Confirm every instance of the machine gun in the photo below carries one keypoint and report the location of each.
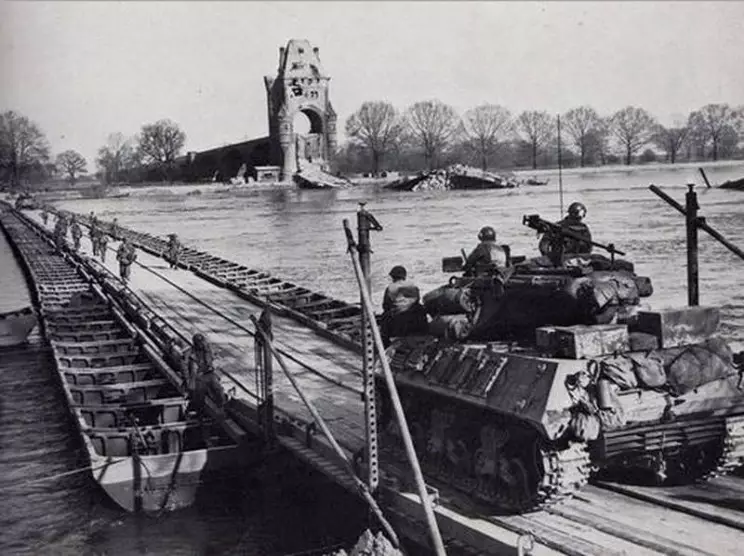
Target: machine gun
(543, 226)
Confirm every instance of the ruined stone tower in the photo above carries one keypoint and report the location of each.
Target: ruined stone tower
(300, 86)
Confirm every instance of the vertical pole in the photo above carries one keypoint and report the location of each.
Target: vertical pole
(691, 221)
(560, 166)
(268, 379)
(364, 222)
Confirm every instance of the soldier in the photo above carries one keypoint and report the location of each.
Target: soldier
(115, 229)
(573, 223)
(60, 233)
(403, 314)
(76, 233)
(173, 250)
(202, 381)
(126, 255)
(44, 216)
(102, 241)
(487, 256)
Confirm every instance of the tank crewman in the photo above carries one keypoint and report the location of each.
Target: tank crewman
(573, 222)
(487, 255)
(126, 255)
(76, 233)
(102, 240)
(403, 314)
(173, 250)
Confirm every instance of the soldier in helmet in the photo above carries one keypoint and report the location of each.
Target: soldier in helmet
(403, 314)
(573, 223)
(487, 256)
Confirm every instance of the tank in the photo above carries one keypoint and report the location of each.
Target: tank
(537, 378)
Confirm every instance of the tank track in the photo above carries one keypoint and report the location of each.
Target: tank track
(732, 456)
(499, 479)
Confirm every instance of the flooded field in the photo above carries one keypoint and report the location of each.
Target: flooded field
(298, 235)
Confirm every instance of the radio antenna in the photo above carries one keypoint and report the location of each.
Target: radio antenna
(560, 165)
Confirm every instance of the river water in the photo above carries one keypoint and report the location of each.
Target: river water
(297, 235)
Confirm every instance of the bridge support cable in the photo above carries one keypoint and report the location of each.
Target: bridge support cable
(362, 487)
(434, 533)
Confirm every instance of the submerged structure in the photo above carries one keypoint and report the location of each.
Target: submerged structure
(540, 374)
(456, 176)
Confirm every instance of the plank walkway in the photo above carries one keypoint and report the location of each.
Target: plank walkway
(703, 519)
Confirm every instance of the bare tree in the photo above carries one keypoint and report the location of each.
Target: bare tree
(671, 139)
(632, 127)
(583, 125)
(713, 122)
(484, 128)
(23, 146)
(377, 126)
(71, 163)
(537, 129)
(161, 143)
(432, 125)
(117, 155)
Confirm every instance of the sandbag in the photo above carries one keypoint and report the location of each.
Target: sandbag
(585, 426)
(688, 367)
(619, 370)
(450, 327)
(449, 300)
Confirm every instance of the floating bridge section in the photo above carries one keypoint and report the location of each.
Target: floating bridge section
(602, 519)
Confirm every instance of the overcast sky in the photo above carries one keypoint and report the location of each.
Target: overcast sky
(84, 70)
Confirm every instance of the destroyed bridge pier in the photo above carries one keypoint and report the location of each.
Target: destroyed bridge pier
(296, 364)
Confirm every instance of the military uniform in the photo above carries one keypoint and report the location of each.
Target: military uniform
(486, 257)
(173, 251)
(126, 255)
(574, 225)
(403, 314)
(77, 233)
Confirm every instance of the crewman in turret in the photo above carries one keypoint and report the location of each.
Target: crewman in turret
(488, 256)
(126, 255)
(173, 250)
(403, 314)
(76, 233)
(573, 223)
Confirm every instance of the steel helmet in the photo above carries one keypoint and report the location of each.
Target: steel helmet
(577, 209)
(398, 272)
(487, 233)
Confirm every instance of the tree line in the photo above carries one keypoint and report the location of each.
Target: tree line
(431, 134)
(25, 154)
(428, 134)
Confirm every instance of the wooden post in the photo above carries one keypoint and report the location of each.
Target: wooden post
(691, 221)
(264, 375)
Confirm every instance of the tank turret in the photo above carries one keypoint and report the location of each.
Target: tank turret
(539, 374)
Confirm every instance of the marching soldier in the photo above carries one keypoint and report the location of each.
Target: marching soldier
(126, 255)
(76, 233)
(115, 229)
(173, 250)
(102, 240)
(44, 216)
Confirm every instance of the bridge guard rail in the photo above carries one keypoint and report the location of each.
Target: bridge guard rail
(263, 337)
(431, 521)
(693, 222)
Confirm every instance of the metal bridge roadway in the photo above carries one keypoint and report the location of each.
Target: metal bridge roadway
(600, 520)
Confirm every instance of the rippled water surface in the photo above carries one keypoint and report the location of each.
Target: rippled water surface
(298, 235)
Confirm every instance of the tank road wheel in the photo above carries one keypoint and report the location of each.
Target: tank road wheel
(510, 467)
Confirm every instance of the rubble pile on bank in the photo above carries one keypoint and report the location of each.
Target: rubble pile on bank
(370, 544)
(311, 176)
(457, 176)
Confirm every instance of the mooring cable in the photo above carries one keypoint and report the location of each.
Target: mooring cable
(60, 475)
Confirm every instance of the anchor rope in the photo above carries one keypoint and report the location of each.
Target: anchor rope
(26, 482)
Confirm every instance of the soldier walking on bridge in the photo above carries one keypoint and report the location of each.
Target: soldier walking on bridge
(44, 216)
(76, 233)
(173, 250)
(102, 241)
(126, 255)
(202, 381)
(115, 229)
